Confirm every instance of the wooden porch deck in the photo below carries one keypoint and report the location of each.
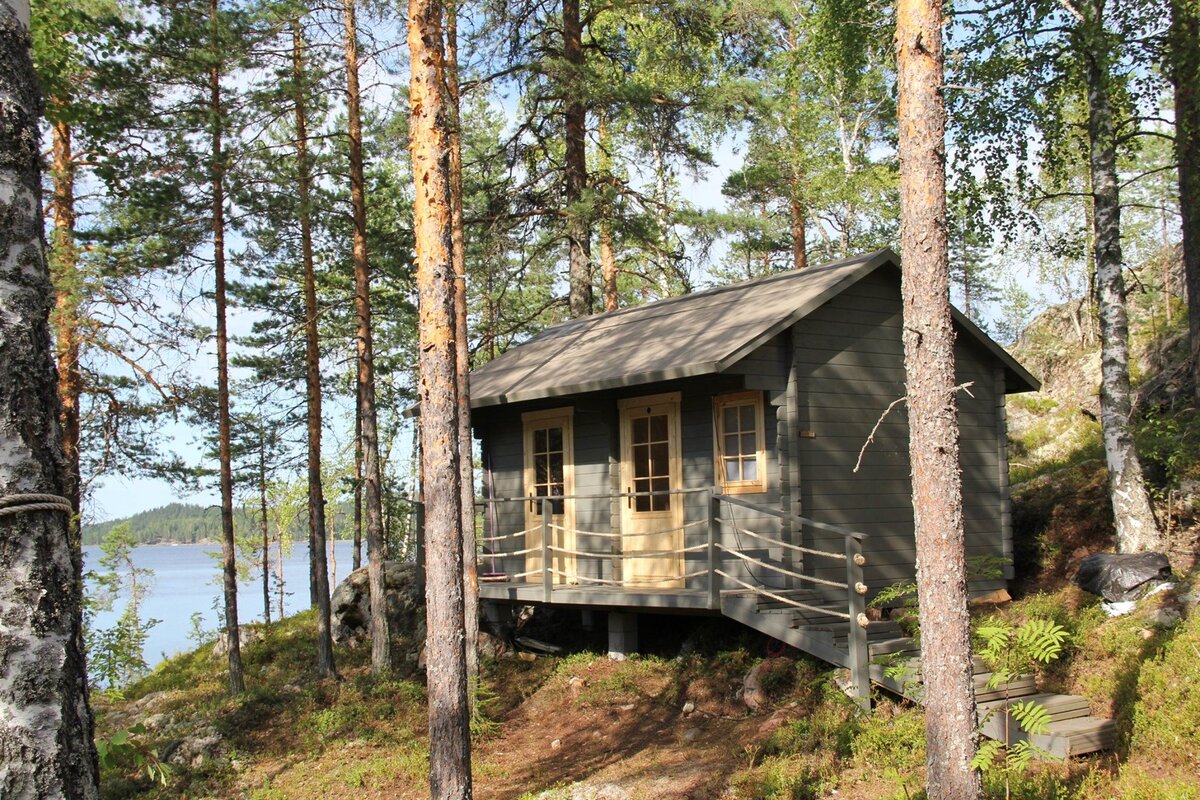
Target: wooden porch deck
(827, 621)
(617, 597)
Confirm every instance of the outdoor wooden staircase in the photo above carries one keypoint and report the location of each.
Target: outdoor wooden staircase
(895, 665)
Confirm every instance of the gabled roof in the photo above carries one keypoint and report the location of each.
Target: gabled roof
(696, 334)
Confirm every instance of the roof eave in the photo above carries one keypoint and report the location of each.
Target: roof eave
(617, 382)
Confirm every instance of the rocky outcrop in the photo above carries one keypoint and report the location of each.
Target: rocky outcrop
(350, 606)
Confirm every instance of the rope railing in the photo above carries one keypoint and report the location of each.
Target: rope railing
(635, 554)
(483, 501)
(620, 535)
(781, 570)
(509, 535)
(627, 581)
(775, 541)
(781, 599)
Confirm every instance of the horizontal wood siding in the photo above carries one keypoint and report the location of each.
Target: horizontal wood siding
(850, 359)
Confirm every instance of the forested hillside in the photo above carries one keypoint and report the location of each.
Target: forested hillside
(176, 523)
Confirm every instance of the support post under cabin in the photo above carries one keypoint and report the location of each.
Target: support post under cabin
(622, 635)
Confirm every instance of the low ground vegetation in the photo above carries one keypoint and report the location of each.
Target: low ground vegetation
(674, 723)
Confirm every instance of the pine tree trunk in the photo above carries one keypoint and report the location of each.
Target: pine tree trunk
(312, 361)
(799, 241)
(608, 258)
(228, 553)
(358, 485)
(46, 746)
(950, 717)
(1137, 530)
(265, 529)
(578, 233)
(64, 319)
(1184, 69)
(462, 362)
(279, 573)
(431, 122)
(381, 640)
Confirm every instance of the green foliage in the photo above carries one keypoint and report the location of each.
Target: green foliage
(128, 750)
(1009, 651)
(1169, 444)
(116, 655)
(1166, 717)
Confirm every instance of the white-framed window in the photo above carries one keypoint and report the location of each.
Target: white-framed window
(740, 448)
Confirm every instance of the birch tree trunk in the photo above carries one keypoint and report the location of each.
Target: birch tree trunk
(312, 365)
(1137, 530)
(228, 547)
(381, 640)
(950, 717)
(578, 229)
(433, 224)
(1184, 69)
(462, 363)
(46, 744)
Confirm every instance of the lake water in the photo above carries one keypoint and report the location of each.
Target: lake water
(187, 579)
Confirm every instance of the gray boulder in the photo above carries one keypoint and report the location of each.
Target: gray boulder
(350, 605)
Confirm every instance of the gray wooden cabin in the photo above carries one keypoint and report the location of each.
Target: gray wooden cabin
(698, 454)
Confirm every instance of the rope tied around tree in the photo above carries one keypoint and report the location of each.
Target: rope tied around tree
(19, 503)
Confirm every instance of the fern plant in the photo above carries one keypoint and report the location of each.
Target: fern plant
(1009, 652)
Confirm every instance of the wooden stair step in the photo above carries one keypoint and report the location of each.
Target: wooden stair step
(1059, 706)
(1075, 737)
(1020, 686)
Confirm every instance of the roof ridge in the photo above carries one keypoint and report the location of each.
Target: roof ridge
(596, 319)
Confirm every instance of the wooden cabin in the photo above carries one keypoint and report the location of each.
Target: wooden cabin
(701, 454)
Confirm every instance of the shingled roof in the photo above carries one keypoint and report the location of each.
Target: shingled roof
(684, 336)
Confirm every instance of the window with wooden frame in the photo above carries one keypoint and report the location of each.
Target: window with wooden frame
(548, 458)
(740, 445)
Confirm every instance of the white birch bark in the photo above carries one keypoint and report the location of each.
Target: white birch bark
(46, 747)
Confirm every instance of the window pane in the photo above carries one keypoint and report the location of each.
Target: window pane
(729, 419)
(750, 469)
(641, 429)
(747, 418)
(749, 445)
(731, 470)
(555, 437)
(539, 441)
(641, 461)
(658, 428)
(541, 472)
(641, 503)
(661, 502)
(557, 506)
(556, 467)
(658, 459)
(731, 444)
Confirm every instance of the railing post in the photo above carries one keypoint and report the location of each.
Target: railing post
(547, 575)
(714, 583)
(419, 545)
(856, 590)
